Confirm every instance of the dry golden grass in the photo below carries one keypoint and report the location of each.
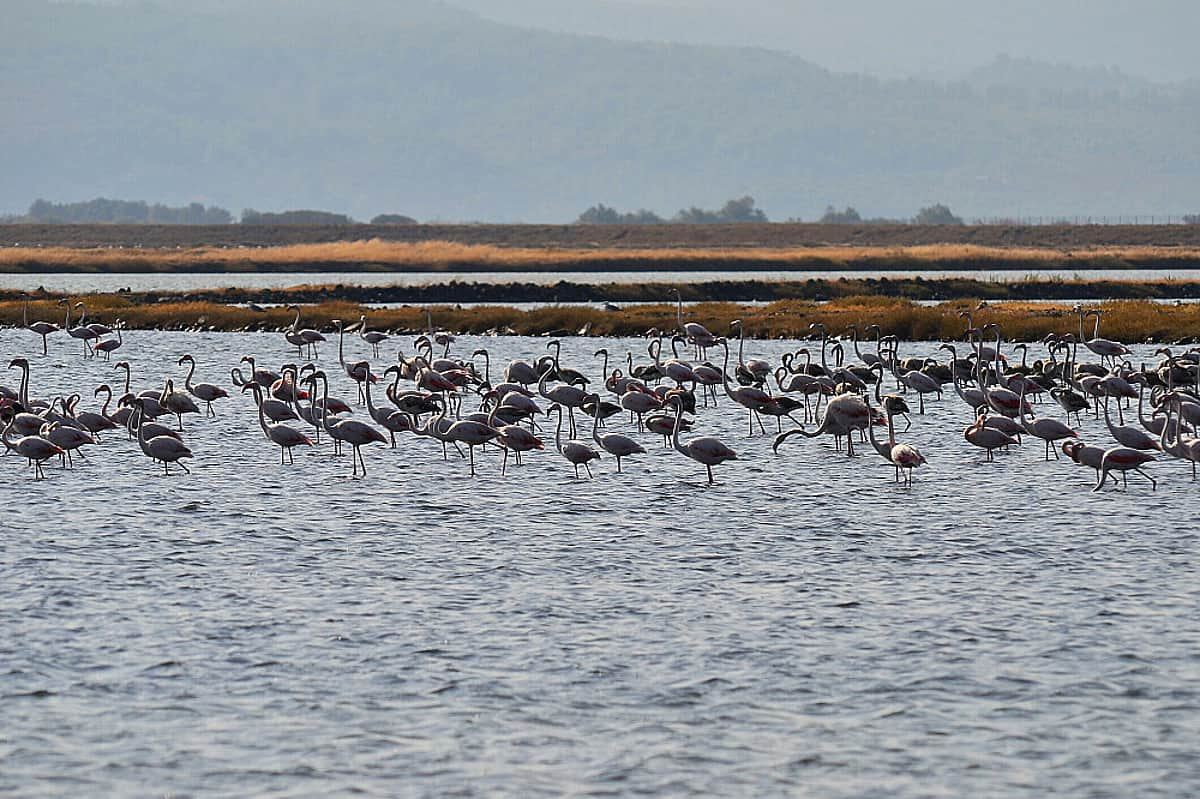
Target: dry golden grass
(444, 255)
(1130, 320)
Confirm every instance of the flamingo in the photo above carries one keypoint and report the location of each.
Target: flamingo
(372, 337)
(707, 450)
(80, 332)
(615, 444)
(284, 436)
(1103, 347)
(308, 337)
(473, 434)
(394, 421)
(352, 431)
(108, 346)
(1124, 460)
(987, 438)
(1128, 435)
(696, 334)
(66, 438)
(177, 402)
(577, 453)
(43, 329)
(264, 377)
(357, 371)
(749, 397)
(844, 414)
(904, 457)
(94, 423)
(205, 392)
(95, 327)
(167, 449)
(35, 448)
(1045, 428)
(754, 370)
(514, 438)
(442, 338)
(570, 397)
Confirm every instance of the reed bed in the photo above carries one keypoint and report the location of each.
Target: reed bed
(433, 256)
(1129, 320)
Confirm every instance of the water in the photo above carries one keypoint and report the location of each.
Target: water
(102, 283)
(804, 627)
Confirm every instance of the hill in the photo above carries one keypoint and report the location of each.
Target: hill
(423, 107)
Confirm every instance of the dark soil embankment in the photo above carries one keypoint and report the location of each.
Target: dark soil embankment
(606, 236)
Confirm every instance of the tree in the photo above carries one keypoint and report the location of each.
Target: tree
(601, 214)
(936, 215)
(741, 210)
(835, 217)
(126, 212)
(736, 211)
(303, 217)
(393, 219)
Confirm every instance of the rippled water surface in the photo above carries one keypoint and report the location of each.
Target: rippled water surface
(260, 280)
(803, 627)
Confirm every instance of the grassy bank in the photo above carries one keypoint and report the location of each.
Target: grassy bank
(444, 256)
(1129, 321)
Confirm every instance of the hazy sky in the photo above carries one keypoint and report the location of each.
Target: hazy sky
(936, 38)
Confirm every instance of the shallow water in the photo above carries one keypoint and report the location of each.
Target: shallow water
(101, 282)
(803, 627)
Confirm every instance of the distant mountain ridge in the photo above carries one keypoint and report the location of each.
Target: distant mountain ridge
(372, 106)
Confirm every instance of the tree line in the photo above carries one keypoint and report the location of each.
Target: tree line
(743, 210)
(137, 212)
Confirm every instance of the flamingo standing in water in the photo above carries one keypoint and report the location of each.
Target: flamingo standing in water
(844, 414)
(281, 434)
(707, 450)
(1103, 347)
(614, 444)
(355, 433)
(372, 337)
(905, 457)
(35, 448)
(697, 334)
(1045, 428)
(1124, 460)
(80, 332)
(110, 345)
(205, 392)
(43, 329)
(987, 438)
(167, 449)
(577, 453)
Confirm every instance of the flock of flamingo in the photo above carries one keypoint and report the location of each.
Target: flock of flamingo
(831, 394)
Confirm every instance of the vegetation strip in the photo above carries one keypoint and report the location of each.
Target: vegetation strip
(1129, 320)
(377, 255)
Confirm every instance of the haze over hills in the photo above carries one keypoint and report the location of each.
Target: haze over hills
(421, 108)
(944, 39)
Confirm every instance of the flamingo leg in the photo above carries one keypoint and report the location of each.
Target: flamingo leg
(1153, 482)
(710, 474)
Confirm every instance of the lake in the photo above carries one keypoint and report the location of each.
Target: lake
(803, 627)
